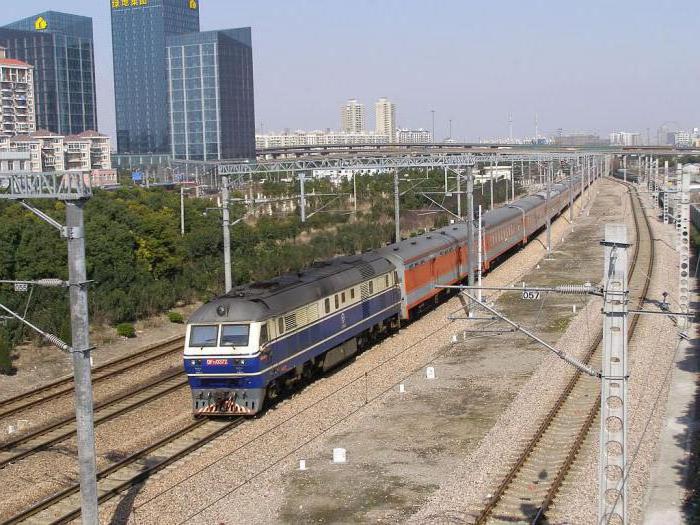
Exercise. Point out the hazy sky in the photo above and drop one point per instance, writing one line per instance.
(592, 65)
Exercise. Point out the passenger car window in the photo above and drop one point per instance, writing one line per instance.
(327, 303)
(352, 293)
(342, 297)
(371, 287)
(280, 325)
(386, 280)
(337, 304)
(234, 334)
(203, 335)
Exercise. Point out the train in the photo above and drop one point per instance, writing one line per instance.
(246, 348)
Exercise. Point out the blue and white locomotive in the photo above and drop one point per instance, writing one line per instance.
(249, 345)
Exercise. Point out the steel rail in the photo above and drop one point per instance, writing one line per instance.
(14, 450)
(533, 443)
(145, 462)
(64, 385)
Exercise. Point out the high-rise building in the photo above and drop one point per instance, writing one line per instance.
(352, 117)
(16, 96)
(211, 103)
(139, 32)
(60, 47)
(624, 138)
(385, 113)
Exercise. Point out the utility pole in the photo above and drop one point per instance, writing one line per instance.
(547, 212)
(612, 466)
(303, 198)
(470, 224)
(665, 191)
(82, 367)
(491, 180)
(182, 210)
(354, 193)
(227, 234)
(480, 255)
(432, 111)
(397, 211)
(571, 193)
(72, 189)
(459, 193)
(684, 248)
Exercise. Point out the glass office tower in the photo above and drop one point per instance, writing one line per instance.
(60, 47)
(139, 31)
(210, 77)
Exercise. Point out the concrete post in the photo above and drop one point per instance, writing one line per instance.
(82, 373)
(546, 209)
(182, 210)
(354, 194)
(612, 470)
(665, 192)
(397, 211)
(459, 194)
(470, 226)
(227, 235)
(480, 255)
(684, 270)
(491, 181)
(302, 202)
(571, 193)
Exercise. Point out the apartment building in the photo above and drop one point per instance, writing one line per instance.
(16, 96)
(352, 117)
(385, 118)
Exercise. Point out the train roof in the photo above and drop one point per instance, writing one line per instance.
(267, 299)
(427, 243)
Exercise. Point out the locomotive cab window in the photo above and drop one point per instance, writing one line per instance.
(263, 334)
(234, 334)
(203, 336)
(280, 326)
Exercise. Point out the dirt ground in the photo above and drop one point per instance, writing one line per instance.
(398, 455)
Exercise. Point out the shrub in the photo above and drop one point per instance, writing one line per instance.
(176, 317)
(126, 330)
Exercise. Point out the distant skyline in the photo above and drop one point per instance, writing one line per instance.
(594, 66)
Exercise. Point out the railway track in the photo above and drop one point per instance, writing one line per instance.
(531, 484)
(42, 438)
(64, 506)
(64, 386)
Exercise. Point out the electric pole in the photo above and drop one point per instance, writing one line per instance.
(227, 234)
(470, 224)
(612, 467)
(397, 211)
(73, 190)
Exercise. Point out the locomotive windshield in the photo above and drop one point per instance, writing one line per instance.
(234, 335)
(203, 335)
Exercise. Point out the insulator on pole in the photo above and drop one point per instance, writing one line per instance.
(52, 283)
(576, 289)
(54, 340)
